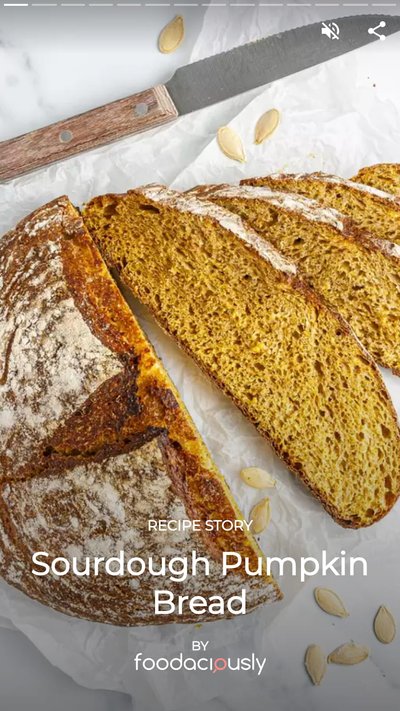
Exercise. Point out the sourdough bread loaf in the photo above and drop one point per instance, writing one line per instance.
(372, 210)
(382, 176)
(292, 365)
(94, 438)
(358, 275)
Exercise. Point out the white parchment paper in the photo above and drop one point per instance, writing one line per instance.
(336, 117)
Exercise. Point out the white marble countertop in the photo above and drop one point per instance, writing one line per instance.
(58, 62)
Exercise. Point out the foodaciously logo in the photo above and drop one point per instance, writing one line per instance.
(201, 664)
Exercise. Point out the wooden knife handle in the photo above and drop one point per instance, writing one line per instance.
(81, 133)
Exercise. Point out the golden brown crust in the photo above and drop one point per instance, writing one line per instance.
(101, 423)
(348, 228)
(382, 176)
(379, 200)
(377, 195)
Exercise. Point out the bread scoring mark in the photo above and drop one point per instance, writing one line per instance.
(98, 510)
(7, 354)
(54, 361)
(165, 395)
(228, 220)
(288, 201)
(336, 180)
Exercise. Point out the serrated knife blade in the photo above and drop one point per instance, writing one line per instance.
(193, 87)
(222, 76)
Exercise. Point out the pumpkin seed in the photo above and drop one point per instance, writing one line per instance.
(384, 625)
(257, 478)
(266, 125)
(231, 144)
(315, 663)
(349, 653)
(172, 35)
(260, 516)
(330, 602)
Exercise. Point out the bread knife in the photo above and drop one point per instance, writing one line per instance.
(193, 87)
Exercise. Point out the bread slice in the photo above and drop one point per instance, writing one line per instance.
(94, 439)
(292, 365)
(358, 275)
(382, 176)
(370, 209)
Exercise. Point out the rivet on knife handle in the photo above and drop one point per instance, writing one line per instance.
(98, 127)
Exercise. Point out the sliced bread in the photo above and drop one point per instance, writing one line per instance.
(370, 209)
(358, 275)
(383, 176)
(292, 365)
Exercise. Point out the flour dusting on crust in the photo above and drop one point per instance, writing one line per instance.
(335, 180)
(228, 220)
(51, 360)
(288, 201)
(101, 510)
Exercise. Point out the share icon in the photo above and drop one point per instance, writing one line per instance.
(373, 30)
